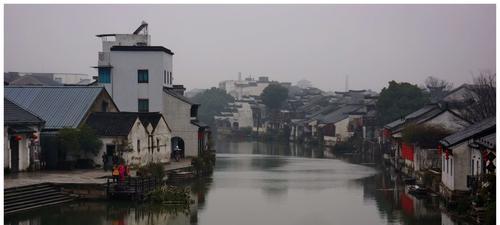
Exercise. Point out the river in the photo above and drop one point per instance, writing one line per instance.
(268, 183)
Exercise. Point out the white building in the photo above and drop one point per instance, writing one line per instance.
(239, 115)
(465, 156)
(248, 87)
(140, 137)
(139, 78)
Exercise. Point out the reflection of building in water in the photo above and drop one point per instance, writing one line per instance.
(394, 204)
(116, 213)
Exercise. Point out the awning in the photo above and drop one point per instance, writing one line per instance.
(18, 129)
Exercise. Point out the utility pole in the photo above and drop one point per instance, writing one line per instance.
(346, 83)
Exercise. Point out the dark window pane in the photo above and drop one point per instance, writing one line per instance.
(104, 75)
(143, 105)
(142, 76)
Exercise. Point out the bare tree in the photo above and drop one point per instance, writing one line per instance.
(481, 100)
(437, 88)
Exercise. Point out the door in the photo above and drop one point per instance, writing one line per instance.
(14, 154)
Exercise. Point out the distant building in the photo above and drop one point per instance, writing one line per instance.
(139, 78)
(46, 79)
(248, 87)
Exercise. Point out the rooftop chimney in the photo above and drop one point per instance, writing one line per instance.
(179, 89)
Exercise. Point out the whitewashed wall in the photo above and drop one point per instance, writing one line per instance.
(125, 89)
(178, 116)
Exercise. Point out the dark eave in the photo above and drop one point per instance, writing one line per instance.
(142, 49)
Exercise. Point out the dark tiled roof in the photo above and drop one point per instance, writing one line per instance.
(199, 124)
(488, 141)
(414, 116)
(178, 96)
(14, 114)
(476, 130)
(142, 49)
(339, 114)
(111, 123)
(152, 118)
(120, 123)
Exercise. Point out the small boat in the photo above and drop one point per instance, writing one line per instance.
(417, 191)
(409, 181)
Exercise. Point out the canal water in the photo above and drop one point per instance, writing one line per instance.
(268, 183)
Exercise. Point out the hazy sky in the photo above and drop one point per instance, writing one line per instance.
(322, 43)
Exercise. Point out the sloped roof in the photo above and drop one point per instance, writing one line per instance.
(414, 115)
(59, 106)
(112, 123)
(178, 96)
(476, 130)
(34, 80)
(14, 114)
(120, 123)
(339, 114)
(199, 124)
(488, 141)
(152, 118)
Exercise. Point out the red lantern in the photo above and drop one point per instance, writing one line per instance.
(34, 137)
(18, 138)
(485, 154)
(447, 154)
(440, 149)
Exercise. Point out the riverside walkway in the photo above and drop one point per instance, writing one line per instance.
(94, 176)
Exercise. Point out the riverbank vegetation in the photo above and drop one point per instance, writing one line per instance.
(152, 169)
(170, 195)
(74, 144)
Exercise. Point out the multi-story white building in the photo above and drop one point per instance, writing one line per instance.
(248, 87)
(138, 76)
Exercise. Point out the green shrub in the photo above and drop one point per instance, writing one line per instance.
(204, 163)
(152, 169)
(168, 194)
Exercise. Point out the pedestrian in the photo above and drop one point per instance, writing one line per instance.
(115, 160)
(121, 171)
(104, 162)
(115, 173)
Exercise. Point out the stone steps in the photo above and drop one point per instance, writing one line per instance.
(33, 196)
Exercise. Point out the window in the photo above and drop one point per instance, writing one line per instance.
(442, 163)
(447, 166)
(142, 76)
(164, 76)
(472, 167)
(171, 78)
(104, 75)
(143, 105)
(158, 144)
(477, 168)
(138, 145)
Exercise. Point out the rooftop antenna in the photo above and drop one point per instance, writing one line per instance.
(346, 83)
(143, 26)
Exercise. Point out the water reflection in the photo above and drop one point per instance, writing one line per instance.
(270, 183)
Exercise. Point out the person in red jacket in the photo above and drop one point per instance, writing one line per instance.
(121, 170)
